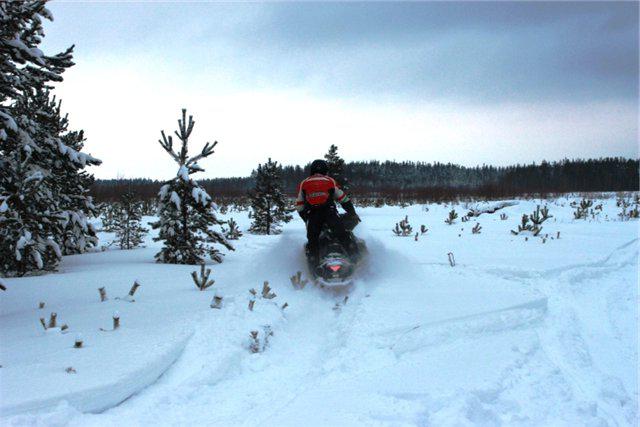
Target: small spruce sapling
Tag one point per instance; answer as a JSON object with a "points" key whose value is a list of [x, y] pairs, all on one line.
{"points": [[582, 210], [266, 291], [403, 228], [202, 282], [268, 202], [233, 232], [453, 215], [129, 230]]}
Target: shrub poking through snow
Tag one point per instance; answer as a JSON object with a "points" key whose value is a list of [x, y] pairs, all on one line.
{"points": [[233, 232], [252, 299], [53, 323], [53, 319], [266, 291], [202, 281], [268, 202], [423, 229], [216, 302], [582, 209], [297, 281], [540, 215], [527, 226], [70, 369], [453, 215], [186, 212], [103, 294], [628, 212], [41, 305], [504, 216], [2, 285], [403, 228], [476, 228], [78, 343], [259, 341]]}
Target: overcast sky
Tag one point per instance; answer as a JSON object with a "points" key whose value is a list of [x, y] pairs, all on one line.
{"points": [[468, 83]]}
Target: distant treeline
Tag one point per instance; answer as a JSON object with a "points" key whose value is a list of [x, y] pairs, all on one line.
{"points": [[426, 181]]}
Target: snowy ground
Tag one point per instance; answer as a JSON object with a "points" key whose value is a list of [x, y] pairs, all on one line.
{"points": [[519, 332]]}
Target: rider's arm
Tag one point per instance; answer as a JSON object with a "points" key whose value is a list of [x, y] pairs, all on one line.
{"points": [[300, 204], [341, 197]]}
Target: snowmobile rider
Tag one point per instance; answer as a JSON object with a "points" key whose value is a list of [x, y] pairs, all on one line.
{"points": [[317, 195]]}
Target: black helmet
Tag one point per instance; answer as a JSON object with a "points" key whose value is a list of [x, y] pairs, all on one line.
{"points": [[319, 166]]}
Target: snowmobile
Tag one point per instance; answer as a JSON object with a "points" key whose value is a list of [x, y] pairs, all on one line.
{"points": [[335, 266]]}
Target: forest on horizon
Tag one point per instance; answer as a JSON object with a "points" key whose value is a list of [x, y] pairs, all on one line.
{"points": [[423, 181]]}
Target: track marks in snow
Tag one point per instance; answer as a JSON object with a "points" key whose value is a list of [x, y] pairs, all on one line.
{"points": [[576, 335]]}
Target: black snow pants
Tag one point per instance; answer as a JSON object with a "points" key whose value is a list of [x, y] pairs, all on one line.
{"points": [[317, 217]]}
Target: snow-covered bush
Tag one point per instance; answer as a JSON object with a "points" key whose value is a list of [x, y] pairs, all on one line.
{"points": [[259, 340], [453, 215], [403, 228], [526, 226], [582, 209], [476, 228], [297, 281], [628, 209], [186, 211], [540, 215], [233, 231], [268, 202], [202, 281]]}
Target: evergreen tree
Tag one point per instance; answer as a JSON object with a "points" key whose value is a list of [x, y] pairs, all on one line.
{"points": [[33, 214], [66, 178], [129, 231], [336, 167], [186, 210], [268, 201]]}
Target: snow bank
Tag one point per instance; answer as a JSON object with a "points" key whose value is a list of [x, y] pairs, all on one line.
{"points": [[131, 364]]}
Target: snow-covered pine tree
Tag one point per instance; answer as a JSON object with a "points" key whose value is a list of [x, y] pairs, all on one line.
{"points": [[336, 167], [186, 210], [129, 231], [31, 219], [268, 202], [66, 178]]}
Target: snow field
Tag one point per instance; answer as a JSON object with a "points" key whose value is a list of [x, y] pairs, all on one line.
{"points": [[518, 332]]}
